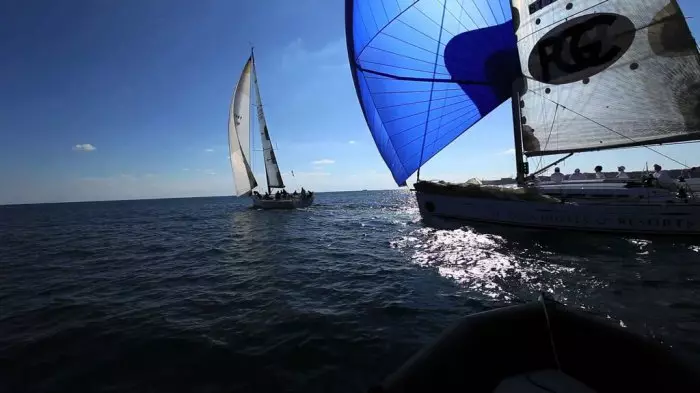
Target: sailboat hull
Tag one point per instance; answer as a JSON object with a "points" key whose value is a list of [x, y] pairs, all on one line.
{"points": [[639, 217], [282, 204]]}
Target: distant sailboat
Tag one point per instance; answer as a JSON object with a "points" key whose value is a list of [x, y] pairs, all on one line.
{"points": [[239, 139]]}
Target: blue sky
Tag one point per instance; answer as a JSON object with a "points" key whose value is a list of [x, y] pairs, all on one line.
{"points": [[144, 87]]}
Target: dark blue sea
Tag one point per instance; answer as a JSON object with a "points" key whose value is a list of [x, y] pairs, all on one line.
{"points": [[207, 295]]}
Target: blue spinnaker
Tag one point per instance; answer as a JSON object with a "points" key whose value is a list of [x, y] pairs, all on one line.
{"points": [[426, 71]]}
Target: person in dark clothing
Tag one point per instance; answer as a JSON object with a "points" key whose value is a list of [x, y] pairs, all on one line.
{"points": [[599, 172]]}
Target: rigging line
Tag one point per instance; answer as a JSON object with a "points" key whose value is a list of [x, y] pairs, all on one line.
{"points": [[384, 27], [616, 132], [427, 116], [543, 300], [415, 79], [551, 128]]}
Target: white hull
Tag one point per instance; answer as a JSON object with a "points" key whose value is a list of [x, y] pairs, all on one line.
{"points": [[633, 217], [291, 203]]}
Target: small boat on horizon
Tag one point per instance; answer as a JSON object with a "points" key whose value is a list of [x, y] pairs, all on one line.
{"points": [[240, 138]]}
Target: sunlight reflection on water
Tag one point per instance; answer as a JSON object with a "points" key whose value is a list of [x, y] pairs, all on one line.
{"points": [[482, 262]]}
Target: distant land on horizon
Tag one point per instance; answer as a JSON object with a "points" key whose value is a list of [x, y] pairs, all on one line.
{"points": [[502, 181], [179, 197]]}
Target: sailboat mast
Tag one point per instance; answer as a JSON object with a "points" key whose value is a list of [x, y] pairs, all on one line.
{"points": [[258, 107], [258, 101], [517, 133], [251, 116]]}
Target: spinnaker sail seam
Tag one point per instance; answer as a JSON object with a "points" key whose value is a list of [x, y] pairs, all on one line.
{"points": [[386, 161], [415, 79], [384, 27], [448, 113], [432, 87]]}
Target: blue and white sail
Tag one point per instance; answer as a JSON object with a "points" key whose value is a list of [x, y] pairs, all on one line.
{"points": [[606, 74], [426, 71]]}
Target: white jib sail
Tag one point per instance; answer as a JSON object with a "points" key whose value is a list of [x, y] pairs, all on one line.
{"points": [[272, 170], [239, 134]]}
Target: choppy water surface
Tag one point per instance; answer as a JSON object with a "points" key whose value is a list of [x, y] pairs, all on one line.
{"points": [[207, 295]]}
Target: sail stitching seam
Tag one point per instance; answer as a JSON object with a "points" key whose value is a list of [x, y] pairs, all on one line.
{"points": [[427, 116]]}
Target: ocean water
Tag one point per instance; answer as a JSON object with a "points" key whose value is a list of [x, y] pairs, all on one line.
{"points": [[207, 295]]}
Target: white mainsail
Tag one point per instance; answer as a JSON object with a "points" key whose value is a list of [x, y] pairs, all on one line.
{"points": [[239, 134], [272, 170]]}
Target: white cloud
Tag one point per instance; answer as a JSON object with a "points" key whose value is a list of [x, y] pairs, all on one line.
{"points": [[332, 54], [352, 142], [507, 152], [185, 169], [311, 174], [324, 161], [208, 150], [84, 147]]}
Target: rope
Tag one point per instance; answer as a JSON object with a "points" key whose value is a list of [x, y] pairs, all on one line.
{"points": [[549, 331]]}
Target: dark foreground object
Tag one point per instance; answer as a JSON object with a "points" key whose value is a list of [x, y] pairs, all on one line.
{"points": [[582, 354]]}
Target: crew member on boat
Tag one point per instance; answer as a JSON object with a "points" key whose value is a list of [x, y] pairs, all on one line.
{"points": [[662, 177], [557, 176], [621, 174], [599, 172], [688, 173], [577, 175]]}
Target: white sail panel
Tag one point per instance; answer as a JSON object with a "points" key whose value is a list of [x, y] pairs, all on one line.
{"points": [[606, 74], [272, 170], [239, 134]]}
